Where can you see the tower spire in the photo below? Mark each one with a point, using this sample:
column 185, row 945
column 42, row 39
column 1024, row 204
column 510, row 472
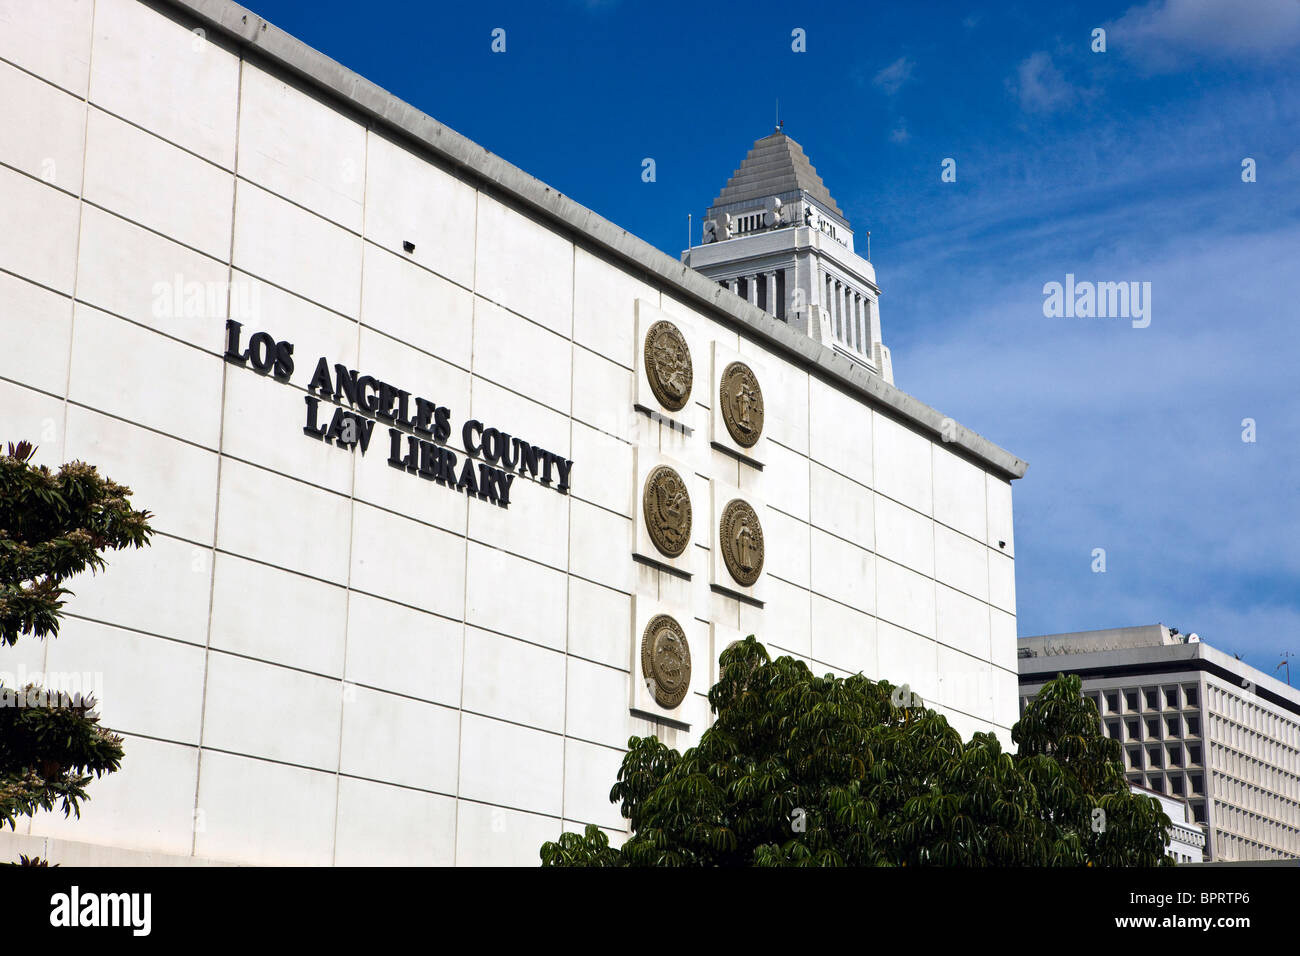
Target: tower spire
column 777, row 238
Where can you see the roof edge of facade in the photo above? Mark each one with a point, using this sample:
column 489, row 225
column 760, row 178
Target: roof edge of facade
column 251, row 31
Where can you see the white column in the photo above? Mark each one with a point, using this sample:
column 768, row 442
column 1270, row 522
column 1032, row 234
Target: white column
column 844, row 312
column 771, row 293
column 752, row 290
column 837, row 296
column 848, row 316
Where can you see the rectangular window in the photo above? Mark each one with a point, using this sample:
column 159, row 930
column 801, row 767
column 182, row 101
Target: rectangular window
column 1189, row 694
column 1171, row 697
column 1131, row 700
column 1112, row 702
column 1153, row 728
column 1153, row 698
column 1193, row 726
column 1173, row 726
column 1153, row 757
column 1132, row 725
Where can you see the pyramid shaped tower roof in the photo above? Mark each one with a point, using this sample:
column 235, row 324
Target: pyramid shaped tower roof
column 774, row 166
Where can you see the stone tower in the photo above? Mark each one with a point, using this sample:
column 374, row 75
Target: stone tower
column 776, row 237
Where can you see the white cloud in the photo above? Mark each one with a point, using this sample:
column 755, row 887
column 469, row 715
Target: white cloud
column 1040, row 86
column 1161, row 33
column 892, row 77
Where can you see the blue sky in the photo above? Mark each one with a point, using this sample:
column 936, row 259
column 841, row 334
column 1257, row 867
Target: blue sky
column 1117, row 166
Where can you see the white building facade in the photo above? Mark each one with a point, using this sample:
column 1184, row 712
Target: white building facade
column 1186, row 836
column 392, row 403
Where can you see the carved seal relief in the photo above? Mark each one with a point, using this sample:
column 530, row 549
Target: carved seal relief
column 666, row 660
column 666, row 509
column 741, row 401
column 741, row 539
column 668, row 365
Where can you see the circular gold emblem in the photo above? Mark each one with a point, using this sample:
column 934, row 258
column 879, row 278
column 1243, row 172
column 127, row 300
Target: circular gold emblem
column 742, row 404
column 666, row 660
column 666, row 507
column 741, row 538
column 668, row 365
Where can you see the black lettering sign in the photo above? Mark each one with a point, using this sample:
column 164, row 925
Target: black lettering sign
column 343, row 405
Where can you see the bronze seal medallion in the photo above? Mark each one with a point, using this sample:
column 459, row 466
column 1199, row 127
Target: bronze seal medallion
column 666, row 660
column 668, row 365
column 741, row 538
column 742, row 404
column 666, row 508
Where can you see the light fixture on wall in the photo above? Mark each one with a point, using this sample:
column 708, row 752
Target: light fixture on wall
column 408, row 245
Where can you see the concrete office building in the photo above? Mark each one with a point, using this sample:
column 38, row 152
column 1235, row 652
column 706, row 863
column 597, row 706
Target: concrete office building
column 457, row 485
column 1194, row 723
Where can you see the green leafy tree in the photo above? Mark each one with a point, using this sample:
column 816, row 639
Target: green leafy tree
column 800, row 770
column 53, row 525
